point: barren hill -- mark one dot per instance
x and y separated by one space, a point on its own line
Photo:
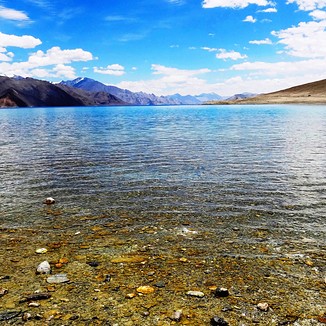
311 93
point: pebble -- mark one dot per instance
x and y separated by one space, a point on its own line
131 295
197 294
221 292
34 304
7 315
41 251
218 321
49 201
44 268
36 296
160 284
26 316
176 316
93 263
3 292
263 306
58 278
145 289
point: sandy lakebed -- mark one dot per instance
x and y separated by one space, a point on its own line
120 274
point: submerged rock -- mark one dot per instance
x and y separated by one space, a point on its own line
44 268
197 294
176 316
58 278
145 289
7 315
49 201
218 321
41 251
263 306
221 292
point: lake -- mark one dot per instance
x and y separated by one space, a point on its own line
198 163
170 198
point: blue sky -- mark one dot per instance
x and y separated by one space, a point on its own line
167 46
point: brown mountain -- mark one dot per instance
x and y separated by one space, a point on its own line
311 93
29 92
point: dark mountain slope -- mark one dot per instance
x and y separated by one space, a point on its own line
29 92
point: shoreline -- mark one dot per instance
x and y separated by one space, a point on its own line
107 264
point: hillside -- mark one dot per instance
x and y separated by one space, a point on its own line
138 98
310 93
29 92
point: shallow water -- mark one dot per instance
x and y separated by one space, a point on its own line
265 164
173 198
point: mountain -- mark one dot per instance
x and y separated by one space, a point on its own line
209 97
196 99
29 92
310 93
241 96
139 98
185 99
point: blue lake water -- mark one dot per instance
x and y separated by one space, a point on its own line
253 166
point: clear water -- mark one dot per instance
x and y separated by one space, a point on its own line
253 166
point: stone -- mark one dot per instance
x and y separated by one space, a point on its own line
176 315
221 292
3 292
218 321
197 294
7 315
145 289
130 295
36 296
41 251
44 268
93 263
58 278
263 306
49 201
160 284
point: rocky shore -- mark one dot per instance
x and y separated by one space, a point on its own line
119 274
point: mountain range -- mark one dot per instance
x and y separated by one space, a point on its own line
29 92
138 98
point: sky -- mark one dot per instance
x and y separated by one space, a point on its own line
167 46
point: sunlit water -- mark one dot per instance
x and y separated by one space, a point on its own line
203 165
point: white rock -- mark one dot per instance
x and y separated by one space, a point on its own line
197 294
58 278
49 201
44 268
41 251
263 306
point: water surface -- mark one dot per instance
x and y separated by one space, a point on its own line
252 166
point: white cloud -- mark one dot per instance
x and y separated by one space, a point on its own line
318 15
205 48
269 10
309 4
234 3
233 55
12 14
169 81
296 69
114 70
51 63
56 56
307 40
260 42
25 41
250 19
